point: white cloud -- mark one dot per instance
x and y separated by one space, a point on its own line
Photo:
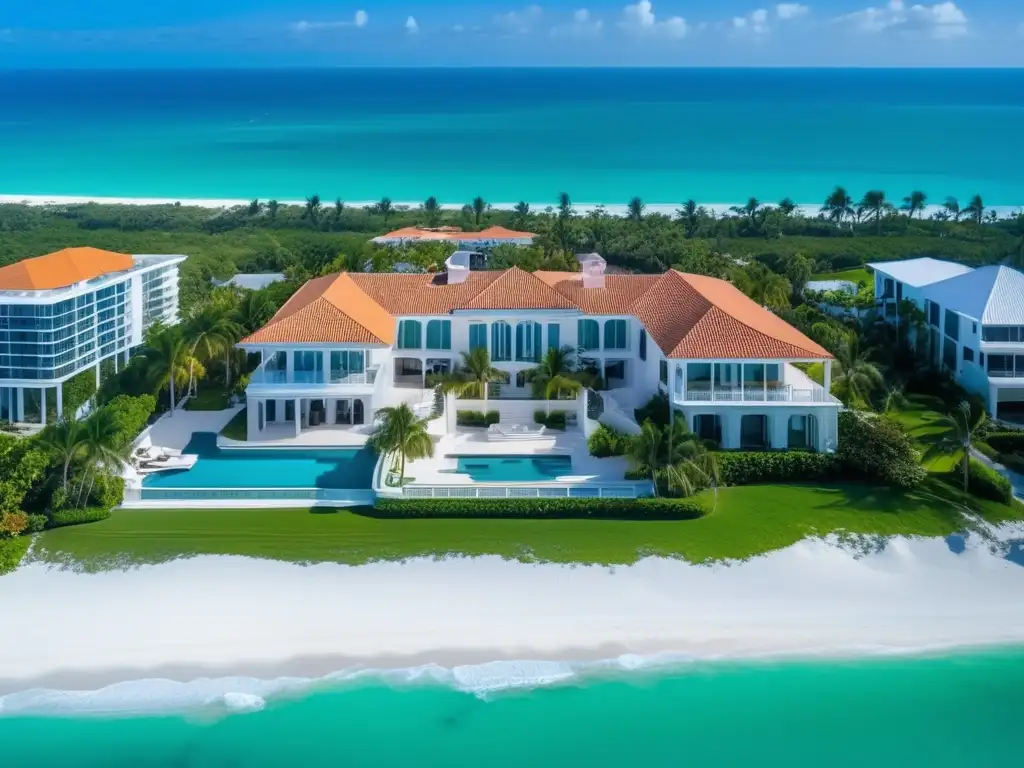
458 28
361 19
787 11
940 21
411 26
520 22
640 19
755 23
583 25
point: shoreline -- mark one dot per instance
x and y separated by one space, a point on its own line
184 633
615 209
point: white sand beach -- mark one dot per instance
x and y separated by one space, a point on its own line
809 209
240 624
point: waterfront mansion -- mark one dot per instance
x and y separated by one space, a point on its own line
348 344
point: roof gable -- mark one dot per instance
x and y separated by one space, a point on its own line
516 289
993 295
62 269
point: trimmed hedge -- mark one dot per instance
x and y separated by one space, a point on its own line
476 418
553 420
63 517
605 442
1006 442
986 483
878 449
615 509
749 467
107 490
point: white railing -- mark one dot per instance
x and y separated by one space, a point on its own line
553 491
253 494
278 377
1006 374
783 394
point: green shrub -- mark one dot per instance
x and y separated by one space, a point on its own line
476 418
605 442
878 449
985 448
1012 461
985 483
131 414
624 509
749 467
1006 442
77 390
654 410
12 551
553 420
107 490
37 523
62 517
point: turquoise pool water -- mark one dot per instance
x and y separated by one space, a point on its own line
261 468
514 469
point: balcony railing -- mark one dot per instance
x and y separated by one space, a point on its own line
277 376
755 394
1006 374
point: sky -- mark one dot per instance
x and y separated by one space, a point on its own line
272 33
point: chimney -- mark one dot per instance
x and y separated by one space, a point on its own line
457 266
592 266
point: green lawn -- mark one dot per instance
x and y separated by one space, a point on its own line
923 419
855 276
746 521
209 399
238 427
11 552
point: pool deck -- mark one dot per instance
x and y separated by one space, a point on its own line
440 470
325 436
176 431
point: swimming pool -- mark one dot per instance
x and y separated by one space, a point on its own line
513 469
350 468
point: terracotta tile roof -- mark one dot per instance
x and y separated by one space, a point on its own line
455 234
63 268
329 309
687 316
516 289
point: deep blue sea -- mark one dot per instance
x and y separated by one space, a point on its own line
602 135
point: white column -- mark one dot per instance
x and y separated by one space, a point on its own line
993 400
42 405
20 410
828 376
731 430
298 415
97 375
117 358
779 427
60 401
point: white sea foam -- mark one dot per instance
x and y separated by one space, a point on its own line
543 624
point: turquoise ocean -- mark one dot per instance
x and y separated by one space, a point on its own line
951 710
602 135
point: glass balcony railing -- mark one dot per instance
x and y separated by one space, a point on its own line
754 393
276 376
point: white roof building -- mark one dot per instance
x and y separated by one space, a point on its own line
992 295
920 272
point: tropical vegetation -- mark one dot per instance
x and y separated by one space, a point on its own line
401 433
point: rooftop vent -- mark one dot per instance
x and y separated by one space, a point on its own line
592 266
457 266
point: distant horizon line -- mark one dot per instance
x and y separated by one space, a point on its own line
499 67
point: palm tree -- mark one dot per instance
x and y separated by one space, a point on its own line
272 207
210 329
479 208
636 209
474 375
964 423
339 209
557 372
255 207
520 212
915 203
749 211
168 361
433 211
689 215
400 431
65 440
100 446
975 209
689 465
645 449
565 211
895 399
838 206
253 311
1017 229
313 208
875 204
767 288
787 206
384 208
855 375
952 206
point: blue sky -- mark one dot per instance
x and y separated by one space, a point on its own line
262 33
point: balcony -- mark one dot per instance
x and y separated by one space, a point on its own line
290 380
785 393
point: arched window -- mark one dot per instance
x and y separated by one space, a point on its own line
439 334
410 334
528 338
643 344
501 341
589 334
615 334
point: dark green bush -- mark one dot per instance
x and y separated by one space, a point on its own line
1012 461
619 509
77 390
131 415
62 517
107 490
476 418
605 442
1006 442
37 523
654 410
877 449
553 420
986 483
749 467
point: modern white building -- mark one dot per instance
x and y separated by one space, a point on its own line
975 323
346 345
66 312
